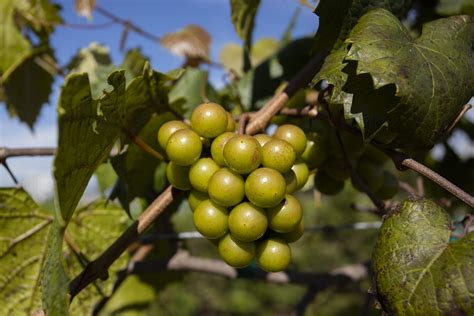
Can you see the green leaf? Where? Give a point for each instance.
(134, 62)
(136, 167)
(13, 46)
(384, 77)
(337, 18)
(40, 15)
(96, 62)
(23, 235)
(105, 176)
(455, 7)
(417, 270)
(243, 17)
(259, 84)
(54, 278)
(24, 96)
(231, 54)
(89, 127)
(34, 262)
(189, 90)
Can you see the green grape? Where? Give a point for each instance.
(294, 235)
(316, 151)
(184, 147)
(236, 253)
(302, 173)
(201, 172)
(242, 154)
(326, 184)
(230, 123)
(209, 120)
(273, 254)
(265, 187)
(293, 135)
(195, 198)
(247, 222)
(278, 154)
(291, 181)
(226, 187)
(389, 187)
(211, 220)
(217, 147)
(262, 139)
(371, 174)
(286, 216)
(178, 176)
(168, 129)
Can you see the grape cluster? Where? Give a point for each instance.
(240, 186)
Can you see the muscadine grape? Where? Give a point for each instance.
(316, 150)
(326, 184)
(168, 129)
(286, 216)
(291, 181)
(265, 187)
(184, 147)
(294, 235)
(201, 172)
(209, 120)
(293, 135)
(178, 176)
(273, 254)
(210, 219)
(371, 174)
(236, 253)
(302, 173)
(217, 147)
(278, 154)
(195, 198)
(389, 187)
(226, 187)
(230, 123)
(242, 153)
(247, 222)
(262, 139)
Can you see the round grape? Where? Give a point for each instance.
(278, 154)
(236, 253)
(242, 153)
(226, 187)
(273, 254)
(210, 219)
(184, 147)
(217, 147)
(209, 120)
(293, 135)
(265, 187)
(286, 216)
(178, 176)
(195, 198)
(201, 172)
(247, 222)
(168, 129)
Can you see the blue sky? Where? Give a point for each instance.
(156, 16)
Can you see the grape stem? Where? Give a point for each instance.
(141, 144)
(243, 119)
(98, 268)
(261, 119)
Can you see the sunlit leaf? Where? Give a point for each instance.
(84, 8)
(243, 14)
(191, 41)
(417, 270)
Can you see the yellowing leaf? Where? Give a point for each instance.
(84, 8)
(191, 42)
(417, 270)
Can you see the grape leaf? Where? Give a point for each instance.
(243, 14)
(230, 55)
(31, 239)
(96, 62)
(89, 127)
(190, 90)
(337, 18)
(455, 7)
(134, 62)
(84, 8)
(259, 84)
(136, 167)
(23, 234)
(13, 46)
(191, 41)
(416, 103)
(417, 270)
(24, 97)
(40, 16)
(105, 176)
